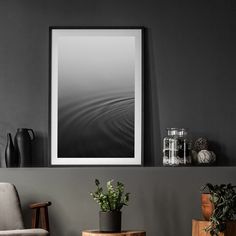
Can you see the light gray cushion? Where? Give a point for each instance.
(10, 209)
(25, 232)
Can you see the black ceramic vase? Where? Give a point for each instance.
(23, 146)
(110, 221)
(11, 157)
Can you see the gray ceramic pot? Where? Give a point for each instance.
(110, 221)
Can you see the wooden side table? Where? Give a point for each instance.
(198, 227)
(122, 233)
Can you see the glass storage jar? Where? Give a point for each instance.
(176, 148)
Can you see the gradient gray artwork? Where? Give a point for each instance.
(96, 76)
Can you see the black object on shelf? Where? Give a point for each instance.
(23, 146)
(11, 156)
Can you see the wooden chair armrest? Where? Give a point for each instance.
(40, 215)
(39, 205)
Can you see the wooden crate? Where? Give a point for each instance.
(198, 227)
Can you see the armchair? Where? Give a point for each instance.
(11, 221)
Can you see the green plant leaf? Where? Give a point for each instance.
(113, 199)
(223, 197)
(97, 182)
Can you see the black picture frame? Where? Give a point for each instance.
(135, 160)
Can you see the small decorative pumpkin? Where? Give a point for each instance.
(206, 157)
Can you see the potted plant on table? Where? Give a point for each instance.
(111, 202)
(218, 206)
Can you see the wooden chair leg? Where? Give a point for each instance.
(35, 218)
(44, 218)
(40, 215)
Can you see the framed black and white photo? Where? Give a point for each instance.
(96, 96)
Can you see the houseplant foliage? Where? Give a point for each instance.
(223, 198)
(111, 200)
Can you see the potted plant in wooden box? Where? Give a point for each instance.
(218, 206)
(111, 202)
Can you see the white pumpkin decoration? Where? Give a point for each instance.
(206, 157)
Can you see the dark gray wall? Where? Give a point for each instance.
(189, 82)
(190, 68)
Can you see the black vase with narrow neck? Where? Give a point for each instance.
(11, 156)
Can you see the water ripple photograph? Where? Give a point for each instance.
(95, 92)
